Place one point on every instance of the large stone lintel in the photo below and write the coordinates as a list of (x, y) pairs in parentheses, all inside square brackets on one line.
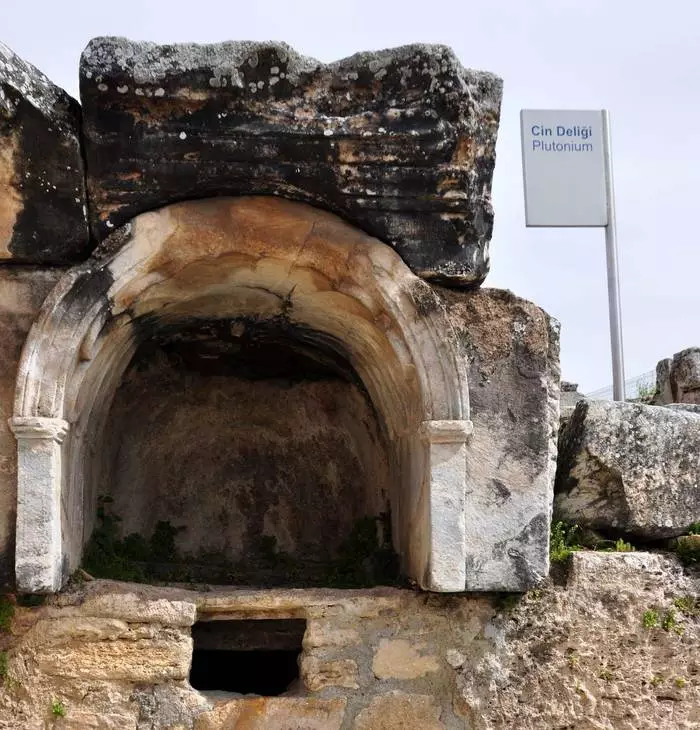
[(399, 142)]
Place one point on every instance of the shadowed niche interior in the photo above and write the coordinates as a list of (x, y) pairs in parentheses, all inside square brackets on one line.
[(246, 452), (247, 657)]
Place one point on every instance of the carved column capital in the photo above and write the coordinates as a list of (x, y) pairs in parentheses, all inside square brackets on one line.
[(36, 427)]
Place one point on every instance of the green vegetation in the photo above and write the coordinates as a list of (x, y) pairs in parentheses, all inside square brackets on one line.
[(30, 600), (688, 550), (507, 602), (58, 709), (650, 619), (563, 541), (646, 391), (3, 665), (366, 558), (670, 622), (688, 605), (657, 680), (7, 611), (623, 547), (607, 675), (694, 529)]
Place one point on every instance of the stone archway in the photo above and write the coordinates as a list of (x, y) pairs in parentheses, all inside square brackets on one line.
[(241, 257)]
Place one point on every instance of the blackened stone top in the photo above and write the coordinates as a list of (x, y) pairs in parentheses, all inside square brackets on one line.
[(43, 213), (399, 142)]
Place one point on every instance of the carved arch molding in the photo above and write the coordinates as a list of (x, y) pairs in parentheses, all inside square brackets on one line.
[(228, 258)]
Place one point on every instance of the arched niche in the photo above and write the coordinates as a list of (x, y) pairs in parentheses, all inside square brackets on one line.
[(265, 260)]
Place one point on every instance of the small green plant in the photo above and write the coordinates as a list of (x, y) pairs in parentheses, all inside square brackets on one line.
[(58, 709), (623, 547), (7, 611), (563, 541), (3, 665), (679, 682), (688, 605), (694, 529), (650, 619), (646, 391), (656, 680), (670, 622), (606, 675), (507, 602), (30, 600), (688, 550)]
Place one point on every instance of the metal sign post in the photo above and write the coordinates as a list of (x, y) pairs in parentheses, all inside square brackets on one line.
[(568, 179), (618, 363)]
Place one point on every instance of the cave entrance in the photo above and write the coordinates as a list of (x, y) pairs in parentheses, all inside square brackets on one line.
[(258, 657)]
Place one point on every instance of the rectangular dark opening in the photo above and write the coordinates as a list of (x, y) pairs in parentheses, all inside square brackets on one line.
[(259, 657)]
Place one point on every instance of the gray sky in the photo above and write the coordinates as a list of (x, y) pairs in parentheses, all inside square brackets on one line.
[(639, 59)]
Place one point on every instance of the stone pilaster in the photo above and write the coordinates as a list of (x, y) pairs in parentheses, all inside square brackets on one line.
[(38, 552)]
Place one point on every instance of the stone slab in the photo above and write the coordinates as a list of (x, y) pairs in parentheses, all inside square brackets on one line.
[(399, 142)]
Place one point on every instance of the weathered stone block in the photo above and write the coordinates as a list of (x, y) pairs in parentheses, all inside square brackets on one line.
[(400, 711), (399, 659), (43, 213), (399, 142), (512, 350), (319, 673), (274, 713), (629, 468)]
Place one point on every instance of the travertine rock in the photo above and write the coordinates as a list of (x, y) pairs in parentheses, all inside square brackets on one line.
[(274, 713), (400, 711), (685, 376), (400, 659), (629, 468), (399, 142), (678, 378), (573, 655), (511, 347), (319, 674), (43, 213)]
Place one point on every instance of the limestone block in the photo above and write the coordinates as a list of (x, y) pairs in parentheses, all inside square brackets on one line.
[(685, 376), (399, 142), (629, 468), (143, 609), (400, 711), (43, 214), (324, 633), (399, 659), (318, 673), (664, 391), (152, 660), (512, 350), (274, 713)]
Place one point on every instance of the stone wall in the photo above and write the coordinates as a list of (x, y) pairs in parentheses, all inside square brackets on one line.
[(613, 647)]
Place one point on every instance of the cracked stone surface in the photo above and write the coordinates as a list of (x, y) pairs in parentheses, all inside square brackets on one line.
[(628, 468), (43, 213), (399, 142)]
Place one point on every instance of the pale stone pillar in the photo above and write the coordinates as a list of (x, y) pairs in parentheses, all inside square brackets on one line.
[(446, 443), (38, 553)]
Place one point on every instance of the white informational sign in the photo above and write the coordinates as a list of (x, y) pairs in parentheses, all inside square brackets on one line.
[(564, 169)]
